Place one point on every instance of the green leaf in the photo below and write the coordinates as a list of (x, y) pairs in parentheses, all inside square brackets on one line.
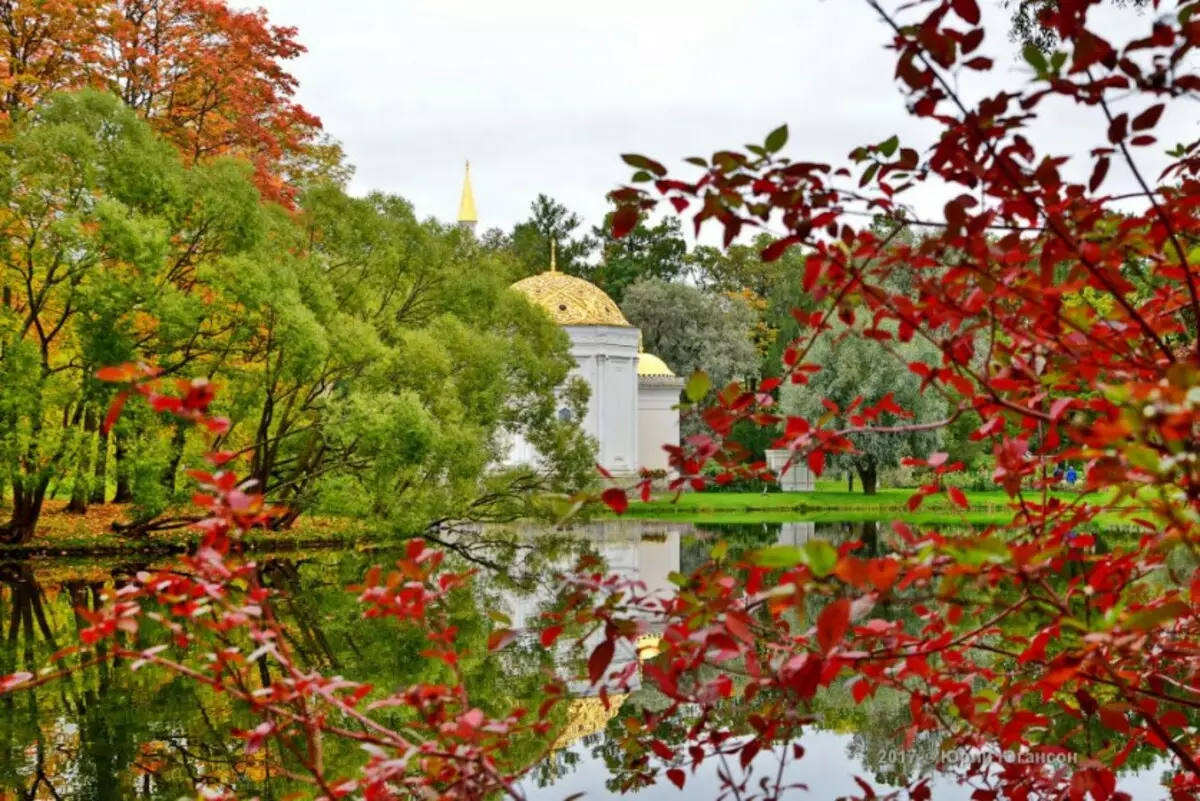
[(819, 555), (1057, 60), (643, 163), (641, 177), (888, 147), (1036, 58), (1147, 619), (696, 160), (777, 556), (698, 386), (777, 139), (719, 550)]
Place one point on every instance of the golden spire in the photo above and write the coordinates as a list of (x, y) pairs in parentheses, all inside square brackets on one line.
[(466, 208), (553, 256)]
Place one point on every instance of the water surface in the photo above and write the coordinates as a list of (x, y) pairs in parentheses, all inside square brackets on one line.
[(109, 733)]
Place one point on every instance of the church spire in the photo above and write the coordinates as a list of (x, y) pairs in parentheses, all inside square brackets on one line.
[(553, 256), (466, 208)]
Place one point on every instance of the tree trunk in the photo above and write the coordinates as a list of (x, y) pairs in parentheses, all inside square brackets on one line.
[(100, 482), (177, 443), (122, 468), (868, 474), (26, 509), (83, 471), (870, 537), (849, 481)]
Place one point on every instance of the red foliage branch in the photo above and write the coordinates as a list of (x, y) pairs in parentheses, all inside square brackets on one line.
[(1067, 326), (203, 613)]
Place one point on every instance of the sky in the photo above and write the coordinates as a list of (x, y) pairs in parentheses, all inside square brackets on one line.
[(542, 96)]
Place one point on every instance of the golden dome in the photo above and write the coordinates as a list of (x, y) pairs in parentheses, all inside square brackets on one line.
[(651, 365), (587, 716), (570, 300)]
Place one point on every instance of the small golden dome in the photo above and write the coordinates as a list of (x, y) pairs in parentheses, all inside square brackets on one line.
[(570, 300), (651, 365)]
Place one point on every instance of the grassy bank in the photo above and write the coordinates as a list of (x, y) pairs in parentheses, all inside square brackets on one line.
[(63, 534)]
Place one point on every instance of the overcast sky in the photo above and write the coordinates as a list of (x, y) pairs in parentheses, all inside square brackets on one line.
[(543, 95)]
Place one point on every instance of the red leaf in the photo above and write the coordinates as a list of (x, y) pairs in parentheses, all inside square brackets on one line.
[(1117, 128), (959, 498), (1098, 173), (832, 624), (114, 411), (1148, 118), (599, 660), (860, 690), (121, 374), (500, 638), (883, 572), (616, 499), (812, 271), (550, 635), (624, 220), (968, 10), (938, 459), (660, 748), (1059, 406), (816, 462), (677, 777), (1114, 719), (773, 251)]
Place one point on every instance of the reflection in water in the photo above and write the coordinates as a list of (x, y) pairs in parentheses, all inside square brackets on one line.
[(108, 733)]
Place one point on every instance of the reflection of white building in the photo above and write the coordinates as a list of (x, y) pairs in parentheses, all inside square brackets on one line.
[(631, 412), (797, 533), (646, 552)]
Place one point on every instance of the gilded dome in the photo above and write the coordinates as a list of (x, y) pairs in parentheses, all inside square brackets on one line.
[(570, 300), (587, 716), (651, 365)]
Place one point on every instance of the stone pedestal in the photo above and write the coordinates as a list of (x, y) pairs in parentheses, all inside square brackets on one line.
[(797, 477)]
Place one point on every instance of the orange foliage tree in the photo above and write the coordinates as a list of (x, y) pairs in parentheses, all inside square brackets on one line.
[(209, 78)]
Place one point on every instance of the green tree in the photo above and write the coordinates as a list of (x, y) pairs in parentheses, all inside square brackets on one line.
[(855, 367), (648, 251), (87, 204), (550, 222), (1027, 29), (693, 330)]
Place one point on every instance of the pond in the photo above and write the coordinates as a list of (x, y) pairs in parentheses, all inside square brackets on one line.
[(109, 733)]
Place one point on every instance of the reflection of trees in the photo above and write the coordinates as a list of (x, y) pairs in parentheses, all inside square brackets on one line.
[(108, 733), (22, 714), (101, 732)]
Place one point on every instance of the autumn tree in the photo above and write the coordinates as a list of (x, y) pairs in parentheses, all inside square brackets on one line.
[(208, 77)]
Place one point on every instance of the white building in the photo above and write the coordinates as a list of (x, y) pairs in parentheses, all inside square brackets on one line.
[(631, 411)]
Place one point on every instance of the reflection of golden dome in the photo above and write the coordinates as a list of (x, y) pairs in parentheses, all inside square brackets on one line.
[(649, 364), (647, 646), (586, 716), (570, 300)]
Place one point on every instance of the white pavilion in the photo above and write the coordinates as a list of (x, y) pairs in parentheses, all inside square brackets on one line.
[(631, 412)]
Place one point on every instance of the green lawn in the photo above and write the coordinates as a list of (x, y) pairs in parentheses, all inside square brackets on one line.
[(831, 501)]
